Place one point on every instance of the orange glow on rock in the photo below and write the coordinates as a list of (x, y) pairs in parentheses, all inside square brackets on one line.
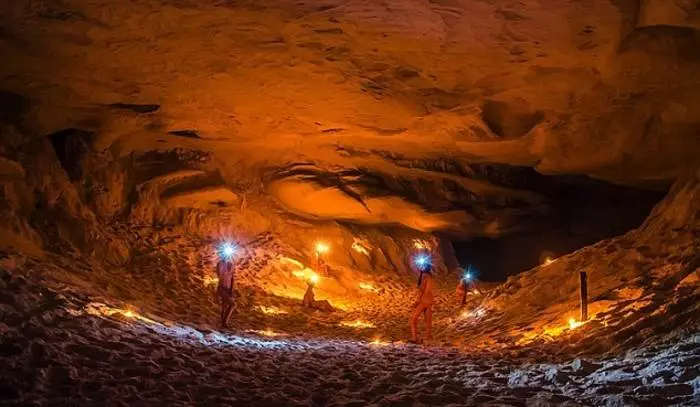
[(209, 280), (266, 332), (307, 275), (358, 324), (359, 247), (420, 244), (99, 309), (573, 323), (379, 342), (322, 248), (271, 310), (368, 287), (313, 279)]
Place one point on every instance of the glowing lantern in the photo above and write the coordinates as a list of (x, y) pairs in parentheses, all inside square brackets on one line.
[(322, 248), (548, 260)]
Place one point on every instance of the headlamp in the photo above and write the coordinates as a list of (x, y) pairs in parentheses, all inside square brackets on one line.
[(228, 250), (422, 261)]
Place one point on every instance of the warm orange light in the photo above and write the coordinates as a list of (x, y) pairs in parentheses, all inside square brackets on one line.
[(322, 248), (378, 342), (307, 275), (368, 287), (209, 280), (314, 279), (267, 332), (420, 244), (99, 309), (548, 260), (271, 310), (476, 313), (358, 324), (360, 247), (573, 323), (340, 305)]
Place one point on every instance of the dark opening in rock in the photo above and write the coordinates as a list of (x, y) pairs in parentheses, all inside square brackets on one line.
[(12, 106), (584, 211), (71, 146), (510, 119)]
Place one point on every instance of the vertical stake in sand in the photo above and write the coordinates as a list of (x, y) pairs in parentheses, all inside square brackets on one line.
[(583, 279)]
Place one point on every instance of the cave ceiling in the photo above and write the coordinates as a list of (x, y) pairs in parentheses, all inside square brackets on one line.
[(376, 112)]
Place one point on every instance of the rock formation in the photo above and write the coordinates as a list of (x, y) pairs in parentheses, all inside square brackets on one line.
[(137, 135)]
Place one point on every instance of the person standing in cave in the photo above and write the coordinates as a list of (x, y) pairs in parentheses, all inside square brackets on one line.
[(424, 303), (461, 292), (309, 297), (466, 284), (225, 271)]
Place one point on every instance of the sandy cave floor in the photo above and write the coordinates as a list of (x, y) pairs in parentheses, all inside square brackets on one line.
[(73, 333)]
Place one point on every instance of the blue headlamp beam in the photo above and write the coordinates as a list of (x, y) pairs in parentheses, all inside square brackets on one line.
[(422, 260), (228, 249)]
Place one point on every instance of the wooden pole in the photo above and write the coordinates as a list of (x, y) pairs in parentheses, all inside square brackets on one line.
[(583, 278)]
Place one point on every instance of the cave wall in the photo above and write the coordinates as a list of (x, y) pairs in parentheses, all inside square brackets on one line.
[(59, 198), (245, 118), (652, 260)]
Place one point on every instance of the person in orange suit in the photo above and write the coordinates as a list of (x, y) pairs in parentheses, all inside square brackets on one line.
[(424, 302), (225, 271)]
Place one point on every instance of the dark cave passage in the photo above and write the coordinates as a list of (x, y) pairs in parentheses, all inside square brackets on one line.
[(584, 211)]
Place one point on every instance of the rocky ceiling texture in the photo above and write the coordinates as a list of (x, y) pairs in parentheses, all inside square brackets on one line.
[(438, 116)]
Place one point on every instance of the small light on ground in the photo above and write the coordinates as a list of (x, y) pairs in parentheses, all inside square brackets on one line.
[(358, 324), (266, 332), (369, 287), (99, 309), (271, 310), (322, 247), (573, 323), (548, 260), (378, 342)]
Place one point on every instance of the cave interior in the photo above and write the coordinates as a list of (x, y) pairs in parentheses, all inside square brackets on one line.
[(549, 149)]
